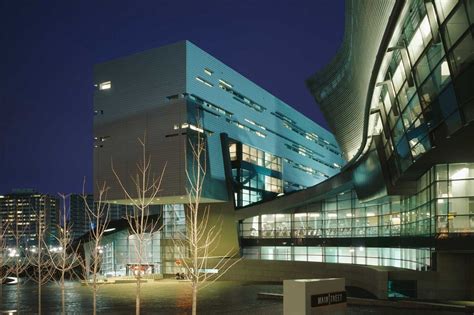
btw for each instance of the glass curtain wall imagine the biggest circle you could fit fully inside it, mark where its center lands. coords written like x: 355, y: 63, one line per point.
x: 258, y: 174
x: 119, y: 253
x: 428, y: 78
x: 442, y: 206
x: 408, y: 258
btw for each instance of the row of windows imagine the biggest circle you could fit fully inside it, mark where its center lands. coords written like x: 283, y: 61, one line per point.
x: 256, y: 181
x: 246, y: 128
x: 442, y: 206
x: 207, y: 104
x: 256, y: 156
x: 304, y: 151
x: 291, y: 124
x: 408, y: 258
x: 306, y: 169
x: 241, y: 98
x: 246, y: 101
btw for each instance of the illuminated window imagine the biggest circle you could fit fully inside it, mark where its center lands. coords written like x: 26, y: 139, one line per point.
x: 225, y: 83
x: 204, y: 82
x: 105, y: 85
x: 233, y: 151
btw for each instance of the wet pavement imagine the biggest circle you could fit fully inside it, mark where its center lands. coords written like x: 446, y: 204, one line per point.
x: 163, y: 297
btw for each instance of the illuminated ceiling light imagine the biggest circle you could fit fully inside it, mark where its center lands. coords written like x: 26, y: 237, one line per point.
x: 109, y: 230
x: 370, y: 214
x: 208, y: 71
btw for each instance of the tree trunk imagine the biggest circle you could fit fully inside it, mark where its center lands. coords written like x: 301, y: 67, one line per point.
x: 62, y: 294
x: 194, y: 299
x: 17, y: 289
x: 39, y: 296
x: 94, y: 301
x: 137, y: 299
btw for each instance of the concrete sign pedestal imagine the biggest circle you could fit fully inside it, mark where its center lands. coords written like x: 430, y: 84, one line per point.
x: 314, y: 296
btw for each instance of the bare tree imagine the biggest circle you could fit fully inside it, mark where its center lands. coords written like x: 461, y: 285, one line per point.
x: 18, y: 260
x: 41, y: 270
x: 98, y: 215
x: 65, y: 258
x: 146, y: 187
x: 202, y: 233
x: 5, y: 258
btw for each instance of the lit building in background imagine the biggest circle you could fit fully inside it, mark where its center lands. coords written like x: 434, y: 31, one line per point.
x: 20, y: 213
x: 77, y: 214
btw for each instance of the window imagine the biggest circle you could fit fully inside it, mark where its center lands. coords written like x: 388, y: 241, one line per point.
x: 204, y: 81
x: 456, y: 26
x: 233, y: 151
x: 227, y: 84
x: 444, y: 7
x: 420, y: 40
x: 105, y: 85
x: 273, y: 184
x: 463, y: 54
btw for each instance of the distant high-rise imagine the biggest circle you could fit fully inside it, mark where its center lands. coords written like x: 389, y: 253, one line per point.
x: 78, y: 218
x: 20, y: 212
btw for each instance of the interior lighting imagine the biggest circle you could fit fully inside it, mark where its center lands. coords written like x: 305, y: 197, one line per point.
x: 445, y: 69
x: 226, y: 83
x: 105, y: 85
x: 461, y: 174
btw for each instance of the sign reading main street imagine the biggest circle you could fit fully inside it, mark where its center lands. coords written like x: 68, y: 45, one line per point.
x: 328, y: 299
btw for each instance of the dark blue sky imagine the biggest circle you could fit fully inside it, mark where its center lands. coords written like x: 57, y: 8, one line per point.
x: 48, y: 49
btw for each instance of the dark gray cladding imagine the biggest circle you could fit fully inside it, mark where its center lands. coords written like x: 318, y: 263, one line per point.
x: 341, y: 88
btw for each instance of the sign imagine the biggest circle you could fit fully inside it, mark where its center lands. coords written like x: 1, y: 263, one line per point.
x: 328, y: 299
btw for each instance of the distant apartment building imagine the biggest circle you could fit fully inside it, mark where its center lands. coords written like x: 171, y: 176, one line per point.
x: 20, y: 214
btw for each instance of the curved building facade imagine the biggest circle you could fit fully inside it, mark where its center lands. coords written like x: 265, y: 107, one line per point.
x: 398, y: 97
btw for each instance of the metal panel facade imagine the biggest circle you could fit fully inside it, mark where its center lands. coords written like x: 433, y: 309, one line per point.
x: 155, y: 91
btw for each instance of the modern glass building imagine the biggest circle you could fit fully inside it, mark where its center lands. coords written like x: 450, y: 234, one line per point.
x: 395, y: 201
x: 274, y: 149
x: 258, y: 148
x: 399, y: 99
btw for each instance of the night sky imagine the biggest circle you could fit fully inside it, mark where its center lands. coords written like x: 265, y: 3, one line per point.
x: 48, y: 49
